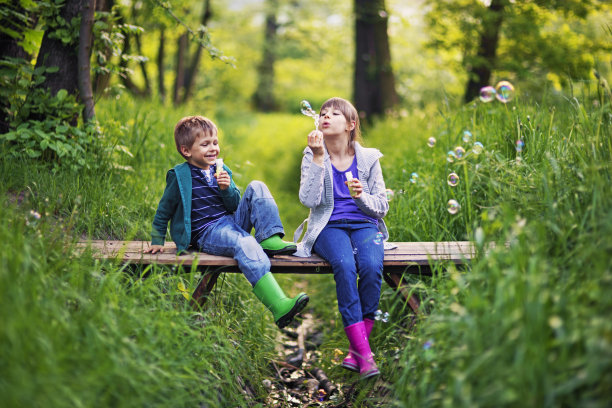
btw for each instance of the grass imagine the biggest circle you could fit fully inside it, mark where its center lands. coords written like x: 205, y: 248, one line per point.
x: 527, y: 325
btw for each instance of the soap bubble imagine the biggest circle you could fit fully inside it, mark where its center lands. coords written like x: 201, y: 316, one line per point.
x: 505, y: 91
x: 487, y: 94
x: 453, y: 206
x: 378, y: 239
x: 467, y: 136
x: 354, y: 251
x: 308, y: 111
x: 450, y: 156
x: 459, y: 152
x: 306, y: 108
x: 414, y: 178
x: 428, y: 344
x: 381, y: 316
x: 477, y: 148
x: 389, y: 194
x: 431, y: 142
x: 519, y: 145
x: 452, y: 179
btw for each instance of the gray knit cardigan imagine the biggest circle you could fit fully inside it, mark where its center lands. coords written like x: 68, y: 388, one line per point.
x: 317, y: 193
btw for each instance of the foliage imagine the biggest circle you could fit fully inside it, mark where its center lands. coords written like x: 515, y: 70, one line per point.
x: 42, y: 124
x: 540, y: 42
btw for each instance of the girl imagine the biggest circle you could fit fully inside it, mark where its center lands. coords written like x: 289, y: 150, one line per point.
x: 345, y: 225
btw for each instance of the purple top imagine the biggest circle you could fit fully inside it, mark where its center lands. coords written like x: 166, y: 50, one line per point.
x: 344, y: 205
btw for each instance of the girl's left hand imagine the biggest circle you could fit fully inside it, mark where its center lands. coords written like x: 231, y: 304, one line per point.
x: 223, y: 179
x: 355, y: 187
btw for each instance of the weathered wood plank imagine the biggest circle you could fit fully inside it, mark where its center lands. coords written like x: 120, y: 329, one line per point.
x: 406, y: 254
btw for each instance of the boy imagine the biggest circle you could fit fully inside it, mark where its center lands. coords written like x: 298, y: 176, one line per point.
x: 204, y: 208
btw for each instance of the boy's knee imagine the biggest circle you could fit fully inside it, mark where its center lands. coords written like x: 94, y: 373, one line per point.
x: 258, y: 187
x: 251, y: 249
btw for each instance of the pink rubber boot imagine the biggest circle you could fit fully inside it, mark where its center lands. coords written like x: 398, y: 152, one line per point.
x: 358, y: 339
x: 350, y: 362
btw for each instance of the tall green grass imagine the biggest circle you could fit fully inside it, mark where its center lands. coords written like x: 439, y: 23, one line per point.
x: 525, y: 325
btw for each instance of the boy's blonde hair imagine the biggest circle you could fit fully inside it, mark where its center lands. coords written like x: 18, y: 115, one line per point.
x: 188, y: 129
x: 349, y: 112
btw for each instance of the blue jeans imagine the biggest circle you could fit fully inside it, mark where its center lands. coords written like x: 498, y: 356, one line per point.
x: 354, y: 250
x: 231, y: 234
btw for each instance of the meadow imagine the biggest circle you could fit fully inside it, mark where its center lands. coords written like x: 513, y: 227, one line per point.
x: 527, y: 324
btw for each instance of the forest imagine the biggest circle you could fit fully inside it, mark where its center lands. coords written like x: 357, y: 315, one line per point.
x: 494, y: 118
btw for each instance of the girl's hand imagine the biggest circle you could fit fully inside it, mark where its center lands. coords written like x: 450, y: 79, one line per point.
x: 315, y: 142
x: 153, y: 249
x: 223, y: 179
x: 355, y: 187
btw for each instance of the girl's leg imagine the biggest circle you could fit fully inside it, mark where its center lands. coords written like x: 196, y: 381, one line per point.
x: 370, y: 255
x: 334, y: 245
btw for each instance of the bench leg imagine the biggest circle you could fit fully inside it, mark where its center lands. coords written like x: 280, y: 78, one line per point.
x: 395, y: 281
x: 206, y: 285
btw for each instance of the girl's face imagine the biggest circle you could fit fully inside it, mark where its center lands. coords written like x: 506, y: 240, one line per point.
x: 333, y: 122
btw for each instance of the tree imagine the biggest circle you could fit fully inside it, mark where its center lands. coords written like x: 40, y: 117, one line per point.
x: 480, y: 70
x: 84, y: 56
x: 374, y: 83
x: 524, y: 39
x: 263, y: 98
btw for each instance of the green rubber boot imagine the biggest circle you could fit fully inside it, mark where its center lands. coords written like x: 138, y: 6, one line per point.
x: 272, y: 296
x: 274, y: 245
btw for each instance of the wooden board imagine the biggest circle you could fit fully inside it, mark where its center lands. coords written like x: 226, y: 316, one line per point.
x: 405, y: 255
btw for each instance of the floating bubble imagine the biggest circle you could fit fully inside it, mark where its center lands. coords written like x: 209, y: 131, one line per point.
x: 477, y: 148
x: 378, y: 239
x: 450, y: 156
x: 414, y: 177
x: 504, y: 91
x: 519, y: 145
x: 354, y: 251
x: 428, y: 344
x: 308, y: 111
x: 389, y: 194
x: 381, y: 316
x: 487, y: 94
x: 431, y: 142
x: 467, y: 136
x: 453, y: 206
x: 306, y: 108
x: 452, y: 179
x: 459, y: 152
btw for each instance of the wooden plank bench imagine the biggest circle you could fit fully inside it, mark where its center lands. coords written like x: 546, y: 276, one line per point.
x: 407, y: 257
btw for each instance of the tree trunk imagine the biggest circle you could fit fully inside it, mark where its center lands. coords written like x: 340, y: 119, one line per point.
x: 374, y: 84
x: 55, y: 53
x: 263, y: 98
x: 160, y: 65
x: 143, y: 69
x: 195, y: 61
x: 179, y: 81
x: 480, y: 71
x: 84, y: 57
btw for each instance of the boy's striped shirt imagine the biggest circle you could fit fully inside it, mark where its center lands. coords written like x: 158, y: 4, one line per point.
x: 206, y: 202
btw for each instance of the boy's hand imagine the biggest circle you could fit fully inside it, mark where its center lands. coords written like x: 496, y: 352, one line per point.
x: 355, y: 187
x: 315, y: 142
x: 223, y: 179
x: 153, y: 249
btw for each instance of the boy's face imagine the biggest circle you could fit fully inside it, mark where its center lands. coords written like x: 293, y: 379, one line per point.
x: 203, y: 152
